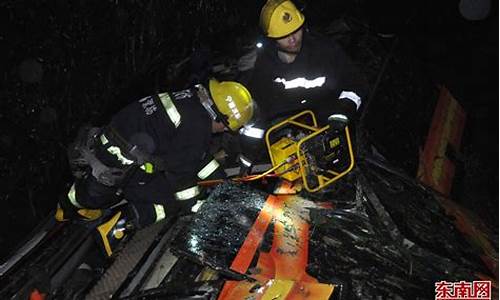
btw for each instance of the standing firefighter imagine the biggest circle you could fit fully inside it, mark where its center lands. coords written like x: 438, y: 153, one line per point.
x: 298, y: 70
x: 152, y: 154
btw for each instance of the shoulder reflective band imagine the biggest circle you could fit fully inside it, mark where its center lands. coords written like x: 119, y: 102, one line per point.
x: 188, y: 193
x: 351, y: 96
x: 208, y: 169
x: 252, y: 132
x: 159, y: 211
x: 72, y: 196
x: 104, y: 139
x: 170, y: 108
x: 118, y: 153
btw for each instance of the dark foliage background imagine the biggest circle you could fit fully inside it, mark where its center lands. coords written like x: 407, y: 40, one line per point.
x: 66, y: 63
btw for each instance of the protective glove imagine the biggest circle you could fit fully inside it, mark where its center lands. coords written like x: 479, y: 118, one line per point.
x: 338, y: 122
x: 343, y: 113
x: 245, y: 165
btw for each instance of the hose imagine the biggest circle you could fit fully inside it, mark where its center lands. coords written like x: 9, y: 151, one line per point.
x: 246, y: 178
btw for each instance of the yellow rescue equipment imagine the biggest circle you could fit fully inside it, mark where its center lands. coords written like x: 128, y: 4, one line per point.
x: 300, y: 150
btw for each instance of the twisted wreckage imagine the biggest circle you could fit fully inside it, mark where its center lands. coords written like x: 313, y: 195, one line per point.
x: 374, y: 233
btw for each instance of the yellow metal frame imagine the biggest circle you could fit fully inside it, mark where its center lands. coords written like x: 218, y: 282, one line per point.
x: 322, y: 180
x: 292, y: 121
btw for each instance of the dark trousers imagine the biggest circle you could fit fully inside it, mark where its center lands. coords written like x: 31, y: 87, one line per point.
x: 142, y: 191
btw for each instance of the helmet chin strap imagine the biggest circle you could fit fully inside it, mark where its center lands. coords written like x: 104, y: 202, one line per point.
x: 206, y: 101
x: 209, y: 105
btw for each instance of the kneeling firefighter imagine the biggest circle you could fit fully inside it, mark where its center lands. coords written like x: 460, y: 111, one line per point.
x: 152, y: 154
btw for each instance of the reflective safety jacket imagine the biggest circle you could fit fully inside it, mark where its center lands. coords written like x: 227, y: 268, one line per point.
x: 173, y: 127
x: 320, y: 75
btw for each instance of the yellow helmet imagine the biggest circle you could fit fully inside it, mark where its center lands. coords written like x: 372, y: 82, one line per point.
x: 233, y: 101
x: 279, y: 18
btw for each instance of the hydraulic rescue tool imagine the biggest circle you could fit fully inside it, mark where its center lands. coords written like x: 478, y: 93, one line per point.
x: 301, y: 150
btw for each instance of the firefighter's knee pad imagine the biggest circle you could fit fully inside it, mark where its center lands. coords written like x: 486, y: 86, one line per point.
x: 114, y: 230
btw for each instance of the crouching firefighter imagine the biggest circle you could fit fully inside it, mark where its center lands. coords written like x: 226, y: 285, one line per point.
x: 152, y: 154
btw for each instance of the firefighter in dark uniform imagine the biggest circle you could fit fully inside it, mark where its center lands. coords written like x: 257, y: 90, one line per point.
x: 152, y: 154
x: 298, y: 70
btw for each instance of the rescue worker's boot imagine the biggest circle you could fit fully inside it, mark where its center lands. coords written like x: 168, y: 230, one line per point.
x: 115, y: 229
x: 67, y: 210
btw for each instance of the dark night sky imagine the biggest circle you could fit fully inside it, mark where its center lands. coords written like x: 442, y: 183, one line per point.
x: 68, y: 63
